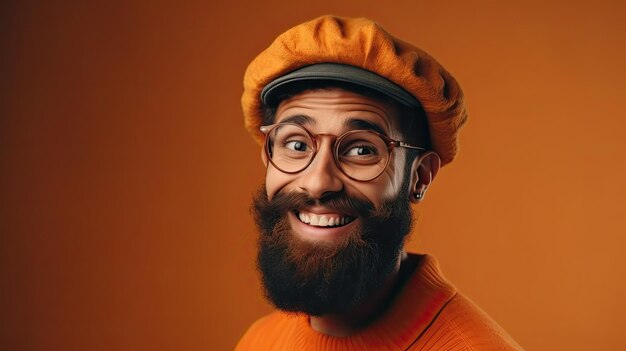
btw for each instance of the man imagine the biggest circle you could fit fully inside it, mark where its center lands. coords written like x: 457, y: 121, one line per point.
x: 355, y: 125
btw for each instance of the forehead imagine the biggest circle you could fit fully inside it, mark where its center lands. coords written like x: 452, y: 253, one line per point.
x: 335, y: 108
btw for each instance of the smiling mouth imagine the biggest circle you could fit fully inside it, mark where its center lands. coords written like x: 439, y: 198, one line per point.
x: 323, y: 220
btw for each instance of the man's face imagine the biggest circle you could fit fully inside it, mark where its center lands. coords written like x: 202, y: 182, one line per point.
x: 312, y: 266
x: 336, y: 111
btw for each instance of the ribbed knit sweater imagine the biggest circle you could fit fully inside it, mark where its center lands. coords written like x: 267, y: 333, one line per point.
x: 427, y: 314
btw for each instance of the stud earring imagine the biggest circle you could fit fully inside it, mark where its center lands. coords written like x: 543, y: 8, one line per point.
x: 419, y: 196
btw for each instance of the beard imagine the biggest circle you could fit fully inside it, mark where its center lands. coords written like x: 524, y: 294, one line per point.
x: 320, y: 278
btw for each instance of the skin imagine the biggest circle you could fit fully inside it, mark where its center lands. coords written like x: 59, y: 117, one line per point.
x: 329, y: 111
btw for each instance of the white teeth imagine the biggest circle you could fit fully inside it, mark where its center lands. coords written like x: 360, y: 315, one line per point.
x: 314, y: 220
x: 304, y: 218
x: 322, y: 220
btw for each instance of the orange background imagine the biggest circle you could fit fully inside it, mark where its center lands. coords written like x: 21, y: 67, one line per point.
x: 126, y: 174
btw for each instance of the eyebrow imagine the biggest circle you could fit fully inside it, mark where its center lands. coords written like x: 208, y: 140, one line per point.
x: 355, y: 123
x: 299, y: 119
x: 352, y: 123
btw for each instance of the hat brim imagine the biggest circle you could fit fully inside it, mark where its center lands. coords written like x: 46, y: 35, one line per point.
x: 340, y: 73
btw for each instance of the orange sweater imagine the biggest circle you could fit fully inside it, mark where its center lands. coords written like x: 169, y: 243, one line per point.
x: 428, y: 314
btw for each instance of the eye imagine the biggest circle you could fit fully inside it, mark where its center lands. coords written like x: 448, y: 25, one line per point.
x: 296, y: 145
x: 361, y: 150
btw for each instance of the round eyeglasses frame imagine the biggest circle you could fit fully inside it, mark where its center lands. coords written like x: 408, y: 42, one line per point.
x: 391, y: 145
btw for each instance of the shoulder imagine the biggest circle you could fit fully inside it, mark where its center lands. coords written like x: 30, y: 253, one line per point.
x: 269, y: 330
x: 473, y: 327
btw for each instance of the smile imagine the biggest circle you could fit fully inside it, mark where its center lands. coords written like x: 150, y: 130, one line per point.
x: 323, y: 220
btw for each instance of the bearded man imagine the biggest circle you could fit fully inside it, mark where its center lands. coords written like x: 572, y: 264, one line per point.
x: 355, y: 125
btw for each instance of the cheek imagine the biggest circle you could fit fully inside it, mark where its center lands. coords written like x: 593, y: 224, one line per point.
x: 381, y: 189
x: 275, y: 181
x: 375, y: 194
x: 395, y: 177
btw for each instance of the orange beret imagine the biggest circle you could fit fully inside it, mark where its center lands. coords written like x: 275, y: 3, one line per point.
x: 361, y: 43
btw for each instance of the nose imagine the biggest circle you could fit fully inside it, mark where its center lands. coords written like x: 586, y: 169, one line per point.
x: 321, y: 177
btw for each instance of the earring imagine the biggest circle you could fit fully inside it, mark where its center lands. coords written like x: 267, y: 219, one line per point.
x: 419, y: 196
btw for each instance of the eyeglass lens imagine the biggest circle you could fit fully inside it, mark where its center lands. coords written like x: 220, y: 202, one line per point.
x: 361, y: 155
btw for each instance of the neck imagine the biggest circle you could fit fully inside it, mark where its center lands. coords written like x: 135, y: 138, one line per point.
x: 365, y: 312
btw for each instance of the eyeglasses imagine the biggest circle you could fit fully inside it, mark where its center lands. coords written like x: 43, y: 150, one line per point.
x: 361, y: 155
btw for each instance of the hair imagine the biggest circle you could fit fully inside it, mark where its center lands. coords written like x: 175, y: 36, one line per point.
x: 413, y: 122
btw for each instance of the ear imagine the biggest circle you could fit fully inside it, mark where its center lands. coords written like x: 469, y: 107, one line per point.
x: 423, y: 173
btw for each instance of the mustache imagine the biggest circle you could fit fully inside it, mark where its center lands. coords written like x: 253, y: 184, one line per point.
x: 336, y: 202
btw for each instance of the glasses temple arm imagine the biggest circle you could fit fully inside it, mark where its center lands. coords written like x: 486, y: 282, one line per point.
x: 409, y: 146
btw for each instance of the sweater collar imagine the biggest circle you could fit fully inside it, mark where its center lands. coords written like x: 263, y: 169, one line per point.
x: 413, y: 309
